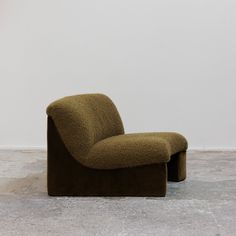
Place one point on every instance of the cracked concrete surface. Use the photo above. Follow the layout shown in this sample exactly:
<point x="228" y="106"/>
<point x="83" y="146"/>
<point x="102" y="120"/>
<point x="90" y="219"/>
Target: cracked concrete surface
<point x="205" y="204"/>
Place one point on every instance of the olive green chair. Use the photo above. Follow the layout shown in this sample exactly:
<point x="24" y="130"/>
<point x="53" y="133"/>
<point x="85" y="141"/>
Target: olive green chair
<point x="89" y="154"/>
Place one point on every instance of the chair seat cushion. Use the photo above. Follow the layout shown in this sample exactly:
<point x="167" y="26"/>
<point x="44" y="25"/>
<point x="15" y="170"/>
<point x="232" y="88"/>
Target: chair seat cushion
<point x="131" y="150"/>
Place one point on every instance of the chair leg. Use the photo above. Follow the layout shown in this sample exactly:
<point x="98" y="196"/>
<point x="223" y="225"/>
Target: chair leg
<point x="177" y="167"/>
<point x="67" y="177"/>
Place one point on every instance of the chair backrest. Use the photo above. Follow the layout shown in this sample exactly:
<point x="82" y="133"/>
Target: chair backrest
<point x="83" y="120"/>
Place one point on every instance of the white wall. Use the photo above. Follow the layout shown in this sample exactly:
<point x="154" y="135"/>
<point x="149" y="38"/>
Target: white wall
<point x="167" y="64"/>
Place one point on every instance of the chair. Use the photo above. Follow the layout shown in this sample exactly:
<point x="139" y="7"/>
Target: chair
<point x="89" y="154"/>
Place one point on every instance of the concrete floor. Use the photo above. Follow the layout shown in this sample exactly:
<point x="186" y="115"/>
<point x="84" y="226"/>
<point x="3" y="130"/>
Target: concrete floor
<point x="205" y="204"/>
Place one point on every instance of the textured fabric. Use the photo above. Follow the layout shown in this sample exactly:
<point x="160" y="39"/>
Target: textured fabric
<point x="67" y="177"/>
<point x="92" y="131"/>
<point x="135" y="149"/>
<point x="83" y="120"/>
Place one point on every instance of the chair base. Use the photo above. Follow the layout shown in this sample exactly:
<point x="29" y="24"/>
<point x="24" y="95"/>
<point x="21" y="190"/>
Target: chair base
<point x="177" y="167"/>
<point x="67" y="177"/>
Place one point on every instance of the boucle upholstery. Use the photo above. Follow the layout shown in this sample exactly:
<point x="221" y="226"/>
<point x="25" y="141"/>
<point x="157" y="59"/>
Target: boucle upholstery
<point x="68" y="177"/>
<point x="83" y="120"/>
<point x="92" y="130"/>
<point x="134" y="150"/>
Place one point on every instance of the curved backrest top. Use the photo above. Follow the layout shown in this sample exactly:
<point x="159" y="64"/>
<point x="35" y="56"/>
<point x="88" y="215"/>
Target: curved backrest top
<point x="83" y="120"/>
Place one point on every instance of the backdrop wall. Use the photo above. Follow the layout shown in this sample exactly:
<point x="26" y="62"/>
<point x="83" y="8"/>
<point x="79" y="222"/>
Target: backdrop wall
<point x="167" y="64"/>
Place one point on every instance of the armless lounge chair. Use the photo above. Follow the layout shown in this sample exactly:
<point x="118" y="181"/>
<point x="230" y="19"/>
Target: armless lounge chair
<point x="89" y="154"/>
